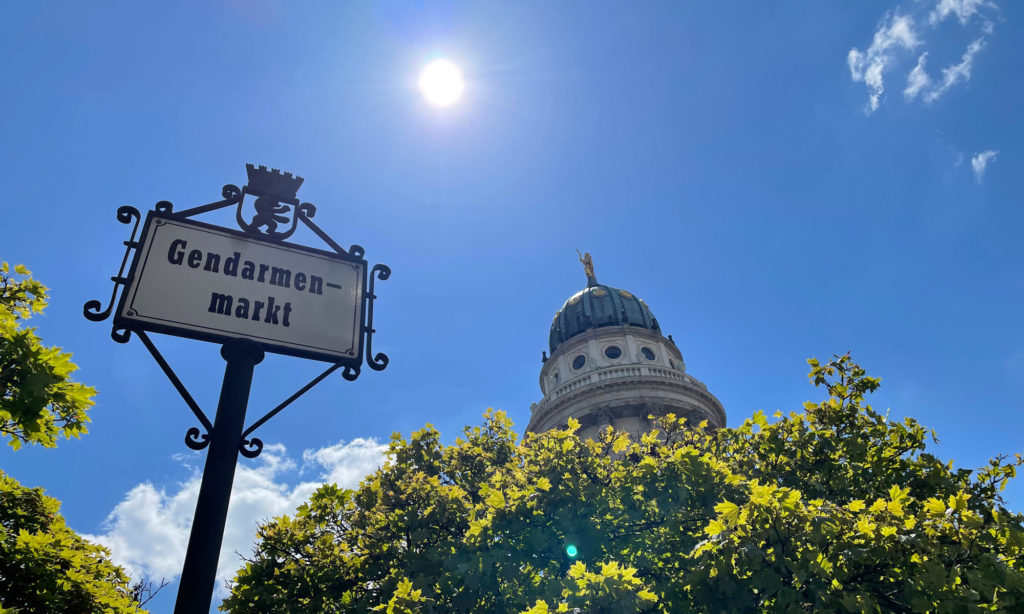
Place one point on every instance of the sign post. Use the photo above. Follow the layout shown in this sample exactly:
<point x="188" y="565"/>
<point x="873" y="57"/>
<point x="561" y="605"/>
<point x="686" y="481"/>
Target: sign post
<point x="252" y="292"/>
<point x="198" y="575"/>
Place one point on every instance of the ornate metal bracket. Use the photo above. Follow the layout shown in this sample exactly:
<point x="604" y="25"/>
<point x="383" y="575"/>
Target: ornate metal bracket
<point x="91" y="310"/>
<point x="252" y="448"/>
<point x="379" y="361"/>
<point x="230" y="195"/>
<point x="194" y="438"/>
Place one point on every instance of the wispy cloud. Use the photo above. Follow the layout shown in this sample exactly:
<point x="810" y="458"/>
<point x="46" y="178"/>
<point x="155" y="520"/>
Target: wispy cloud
<point x="962" y="9"/>
<point x="980" y="161"/>
<point x="951" y="75"/>
<point x="918" y="79"/>
<point x="148" y="530"/>
<point x="896" y="32"/>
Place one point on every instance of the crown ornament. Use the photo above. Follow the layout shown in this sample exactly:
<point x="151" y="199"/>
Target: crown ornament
<point x="272" y="183"/>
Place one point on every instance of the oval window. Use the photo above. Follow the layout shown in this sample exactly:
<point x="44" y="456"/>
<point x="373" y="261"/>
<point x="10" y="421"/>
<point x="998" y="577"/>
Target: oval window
<point x="579" y="361"/>
<point x="648" y="353"/>
<point x="613" y="351"/>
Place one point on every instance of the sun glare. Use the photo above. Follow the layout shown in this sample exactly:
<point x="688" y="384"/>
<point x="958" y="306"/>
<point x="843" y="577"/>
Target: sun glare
<point x="441" y="83"/>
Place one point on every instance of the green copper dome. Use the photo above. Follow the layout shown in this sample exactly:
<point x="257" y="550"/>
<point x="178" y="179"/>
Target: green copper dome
<point x="596" y="306"/>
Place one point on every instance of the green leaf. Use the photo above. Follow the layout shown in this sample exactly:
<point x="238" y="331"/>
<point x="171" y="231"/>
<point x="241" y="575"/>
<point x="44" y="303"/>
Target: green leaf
<point x="935" y="506"/>
<point x="727" y="510"/>
<point x="495" y="499"/>
<point x="714" y="528"/>
<point x="866" y="527"/>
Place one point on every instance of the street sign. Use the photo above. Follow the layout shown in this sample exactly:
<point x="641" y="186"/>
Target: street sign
<point x="252" y="292"/>
<point x="205" y="282"/>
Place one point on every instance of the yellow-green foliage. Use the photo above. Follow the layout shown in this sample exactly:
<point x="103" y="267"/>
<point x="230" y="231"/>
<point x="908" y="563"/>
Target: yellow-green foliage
<point x="833" y="509"/>
<point x="46" y="567"/>
<point x="38" y="401"/>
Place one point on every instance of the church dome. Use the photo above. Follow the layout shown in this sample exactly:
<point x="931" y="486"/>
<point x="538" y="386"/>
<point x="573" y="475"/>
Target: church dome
<point x="596" y="306"/>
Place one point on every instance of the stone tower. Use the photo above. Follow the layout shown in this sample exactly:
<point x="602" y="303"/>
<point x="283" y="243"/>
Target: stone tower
<point x="610" y="365"/>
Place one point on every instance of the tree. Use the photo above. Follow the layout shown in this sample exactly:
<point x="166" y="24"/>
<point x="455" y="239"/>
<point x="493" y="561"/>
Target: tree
<point x="44" y="565"/>
<point x="38" y="401"/>
<point x="830" y="509"/>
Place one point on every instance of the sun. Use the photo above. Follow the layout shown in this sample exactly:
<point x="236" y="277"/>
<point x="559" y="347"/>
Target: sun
<point x="441" y="83"/>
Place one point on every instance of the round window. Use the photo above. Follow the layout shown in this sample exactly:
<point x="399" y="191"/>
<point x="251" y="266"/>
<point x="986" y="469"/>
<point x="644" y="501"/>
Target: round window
<point x="579" y="361"/>
<point x="613" y="351"/>
<point x="648" y="353"/>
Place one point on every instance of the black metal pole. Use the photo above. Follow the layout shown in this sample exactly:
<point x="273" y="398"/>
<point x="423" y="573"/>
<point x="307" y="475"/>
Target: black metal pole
<point x="198" y="575"/>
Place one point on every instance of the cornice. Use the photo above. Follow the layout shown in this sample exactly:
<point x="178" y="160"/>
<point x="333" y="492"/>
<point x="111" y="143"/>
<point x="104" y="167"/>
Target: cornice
<point x="644" y="382"/>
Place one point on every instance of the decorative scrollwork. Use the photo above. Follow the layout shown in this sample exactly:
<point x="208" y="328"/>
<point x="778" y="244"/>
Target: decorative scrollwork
<point x="231" y="195"/>
<point x="383" y="273"/>
<point x="251" y="448"/>
<point x="356" y="250"/>
<point x="92" y="309"/>
<point x="379" y="361"/>
<point x="193" y="433"/>
<point x="270" y="414"/>
<point x="351" y="373"/>
<point x="196" y="439"/>
<point x="121" y="335"/>
<point x="231" y="192"/>
<point x="164" y="206"/>
<point x="126" y="213"/>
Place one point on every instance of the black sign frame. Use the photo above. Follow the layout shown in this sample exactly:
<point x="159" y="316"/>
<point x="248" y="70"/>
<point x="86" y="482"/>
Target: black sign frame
<point x="126" y="322"/>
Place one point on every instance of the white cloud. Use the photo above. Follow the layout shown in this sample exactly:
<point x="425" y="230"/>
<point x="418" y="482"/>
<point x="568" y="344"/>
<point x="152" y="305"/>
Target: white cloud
<point x="980" y="161"/>
<point x="918" y="79"/>
<point x="962" y="9"/>
<point x="148" y="530"/>
<point x="951" y="75"/>
<point x="346" y="463"/>
<point x="896" y="32"/>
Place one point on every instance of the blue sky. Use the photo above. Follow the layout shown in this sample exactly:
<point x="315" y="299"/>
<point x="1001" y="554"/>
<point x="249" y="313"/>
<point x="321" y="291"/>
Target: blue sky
<point x="777" y="181"/>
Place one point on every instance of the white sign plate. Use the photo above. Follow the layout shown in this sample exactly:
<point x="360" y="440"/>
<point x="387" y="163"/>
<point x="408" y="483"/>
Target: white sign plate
<point x="200" y="281"/>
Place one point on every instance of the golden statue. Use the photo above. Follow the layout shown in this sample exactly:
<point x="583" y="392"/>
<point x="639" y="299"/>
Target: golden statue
<point x="588" y="263"/>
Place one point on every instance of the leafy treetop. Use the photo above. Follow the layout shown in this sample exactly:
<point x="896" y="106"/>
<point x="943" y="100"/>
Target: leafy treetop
<point x="38" y="401"/>
<point x="834" y="509"/>
<point x="46" y="567"/>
